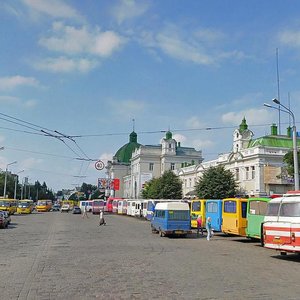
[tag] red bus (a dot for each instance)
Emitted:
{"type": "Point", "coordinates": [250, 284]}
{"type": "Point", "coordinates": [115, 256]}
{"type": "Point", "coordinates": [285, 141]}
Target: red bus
{"type": "Point", "coordinates": [110, 203]}
{"type": "Point", "coordinates": [97, 206]}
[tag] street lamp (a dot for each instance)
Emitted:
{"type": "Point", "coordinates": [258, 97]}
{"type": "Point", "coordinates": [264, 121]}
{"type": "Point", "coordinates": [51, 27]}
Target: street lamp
{"type": "Point", "coordinates": [295, 153]}
{"type": "Point", "coordinates": [16, 176]}
{"type": "Point", "coordinates": [5, 179]}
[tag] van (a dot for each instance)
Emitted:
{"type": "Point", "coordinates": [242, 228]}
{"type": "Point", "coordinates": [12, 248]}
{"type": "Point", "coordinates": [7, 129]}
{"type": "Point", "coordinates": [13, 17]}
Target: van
{"type": "Point", "coordinates": [171, 218]}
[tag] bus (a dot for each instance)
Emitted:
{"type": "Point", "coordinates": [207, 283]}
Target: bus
{"type": "Point", "coordinates": [122, 207]}
{"type": "Point", "coordinates": [256, 211]}
{"type": "Point", "coordinates": [88, 204]}
{"type": "Point", "coordinates": [214, 211]}
{"type": "Point", "coordinates": [9, 205]}
{"type": "Point", "coordinates": [197, 208]}
{"type": "Point", "coordinates": [234, 214]}
{"type": "Point", "coordinates": [97, 206]}
{"type": "Point", "coordinates": [171, 218]}
{"type": "Point", "coordinates": [281, 228]}
{"type": "Point", "coordinates": [43, 205]}
{"type": "Point", "coordinates": [25, 206]}
{"type": "Point", "coordinates": [109, 204]}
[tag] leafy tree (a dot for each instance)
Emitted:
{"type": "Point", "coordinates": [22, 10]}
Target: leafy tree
{"type": "Point", "coordinates": [288, 159]}
{"type": "Point", "coordinates": [216, 183]}
{"type": "Point", "coordinates": [88, 189]}
{"type": "Point", "coordinates": [168, 186]}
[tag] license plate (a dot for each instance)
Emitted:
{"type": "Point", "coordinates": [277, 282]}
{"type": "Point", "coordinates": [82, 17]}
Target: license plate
{"type": "Point", "coordinates": [277, 241]}
{"type": "Point", "coordinates": [178, 232]}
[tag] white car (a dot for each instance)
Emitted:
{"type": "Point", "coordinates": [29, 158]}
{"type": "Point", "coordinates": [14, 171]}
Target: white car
{"type": "Point", "coordinates": [65, 208]}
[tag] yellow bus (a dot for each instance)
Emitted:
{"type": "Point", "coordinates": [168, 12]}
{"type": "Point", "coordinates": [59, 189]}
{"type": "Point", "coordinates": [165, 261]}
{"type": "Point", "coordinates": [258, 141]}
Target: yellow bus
{"type": "Point", "coordinates": [25, 206]}
{"type": "Point", "coordinates": [9, 205]}
{"type": "Point", "coordinates": [43, 205]}
{"type": "Point", "coordinates": [197, 207]}
{"type": "Point", "coordinates": [234, 216]}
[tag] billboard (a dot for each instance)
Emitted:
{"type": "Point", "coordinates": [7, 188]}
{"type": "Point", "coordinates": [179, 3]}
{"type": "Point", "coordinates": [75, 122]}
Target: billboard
{"type": "Point", "coordinates": [109, 184]}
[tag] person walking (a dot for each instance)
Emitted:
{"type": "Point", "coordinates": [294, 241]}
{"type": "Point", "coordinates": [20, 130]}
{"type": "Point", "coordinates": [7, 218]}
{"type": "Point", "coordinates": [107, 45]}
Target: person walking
{"type": "Point", "coordinates": [199, 225]}
{"type": "Point", "coordinates": [85, 214]}
{"type": "Point", "coordinates": [101, 218]}
{"type": "Point", "coordinates": [208, 228]}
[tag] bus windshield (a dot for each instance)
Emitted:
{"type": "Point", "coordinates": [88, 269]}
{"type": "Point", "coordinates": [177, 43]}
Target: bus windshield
{"type": "Point", "coordinates": [273, 209]}
{"type": "Point", "coordinates": [290, 209]}
{"type": "Point", "coordinates": [196, 206]}
{"type": "Point", "coordinates": [4, 203]}
{"type": "Point", "coordinates": [179, 215]}
{"type": "Point", "coordinates": [23, 204]}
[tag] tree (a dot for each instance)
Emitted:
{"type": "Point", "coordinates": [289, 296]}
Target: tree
{"type": "Point", "coordinates": [168, 186]}
{"type": "Point", "coordinates": [216, 183]}
{"type": "Point", "coordinates": [288, 159]}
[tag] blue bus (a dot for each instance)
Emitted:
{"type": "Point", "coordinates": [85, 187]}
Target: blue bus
{"type": "Point", "coordinates": [171, 218]}
{"type": "Point", "coordinates": [214, 211]}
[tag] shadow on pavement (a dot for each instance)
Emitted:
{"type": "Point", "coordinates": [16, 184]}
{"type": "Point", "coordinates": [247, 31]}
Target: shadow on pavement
{"type": "Point", "coordinates": [294, 257]}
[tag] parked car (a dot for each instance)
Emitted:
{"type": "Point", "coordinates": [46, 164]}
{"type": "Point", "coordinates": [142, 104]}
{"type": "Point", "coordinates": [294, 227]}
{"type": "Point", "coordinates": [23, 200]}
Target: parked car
{"type": "Point", "coordinates": [55, 207]}
{"type": "Point", "coordinates": [7, 217]}
{"type": "Point", "coordinates": [76, 210]}
{"type": "Point", "coordinates": [3, 220]}
{"type": "Point", "coordinates": [65, 208]}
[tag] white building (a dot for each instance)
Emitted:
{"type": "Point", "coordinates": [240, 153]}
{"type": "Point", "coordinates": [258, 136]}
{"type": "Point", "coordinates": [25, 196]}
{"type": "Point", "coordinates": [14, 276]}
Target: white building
{"type": "Point", "coordinates": [135, 164]}
{"type": "Point", "coordinates": [256, 163]}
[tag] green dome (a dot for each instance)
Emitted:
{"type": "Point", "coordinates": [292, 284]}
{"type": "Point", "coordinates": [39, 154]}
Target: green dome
{"type": "Point", "coordinates": [124, 154]}
{"type": "Point", "coordinates": [169, 135]}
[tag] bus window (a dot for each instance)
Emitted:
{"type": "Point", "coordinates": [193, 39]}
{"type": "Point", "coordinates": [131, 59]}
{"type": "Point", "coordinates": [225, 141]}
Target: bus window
{"type": "Point", "coordinates": [178, 215]}
{"type": "Point", "coordinates": [244, 209]}
{"type": "Point", "coordinates": [230, 206]}
{"type": "Point", "coordinates": [273, 209]}
{"type": "Point", "coordinates": [290, 210]}
{"type": "Point", "coordinates": [196, 206]}
{"type": "Point", "coordinates": [212, 207]}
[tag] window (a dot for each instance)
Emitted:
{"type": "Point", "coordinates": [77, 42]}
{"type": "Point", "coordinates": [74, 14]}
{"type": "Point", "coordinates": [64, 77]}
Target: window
{"type": "Point", "coordinates": [290, 210]}
{"type": "Point", "coordinates": [230, 206]}
{"type": "Point", "coordinates": [237, 174]}
{"type": "Point", "coordinates": [190, 181]}
{"type": "Point", "coordinates": [170, 146]}
{"type": "Point", "coordinates": [178, 215]}
{"type": "Point", "coordinates": [151, 166]}
{"type": "Point", "coordinates": [258, 208]}
{"type": "Point", "coordinates": [196, 206]}
{"type": "Point", "coordinates": [244, 209]}
{"type": "Point", "coordinates": [273, 209]}
{"type": "Point", "coordinates": [172, 166]}
{"type": "Point", "coordinates": [212, 207]}
{"type": "Point", "coordinates": [160, 213]}
{"type": "Point", "coordinates": [247, 173]}
{"type": "Point", "coordinates": [252, 172]}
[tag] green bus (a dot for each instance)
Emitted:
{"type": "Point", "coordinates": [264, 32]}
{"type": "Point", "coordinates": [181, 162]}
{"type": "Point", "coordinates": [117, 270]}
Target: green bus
{"type": "Point", "coordinates": [256, 211]}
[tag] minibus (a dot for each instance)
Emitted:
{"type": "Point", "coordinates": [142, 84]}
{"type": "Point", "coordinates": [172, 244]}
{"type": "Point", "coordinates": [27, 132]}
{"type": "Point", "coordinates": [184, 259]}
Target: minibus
{"type": "Point", "coordinates": [256, 211]}
{"type": "Point", "coordinates": [43, 205]}
{"type": "Point", "coordinates": [86, 204]}
{"type": "Point", "coordinates": [214, 211]}
{"type": "Point", "coordinates": [234, 214]}
{"type": "Point", "coordinates": [97, 206]}
{"type": "Point", "coordinates": [25, 206]}
{"type": "Point", "coordinates": [9, 205]}
{"type": "Point", "coordinates": [122, 207]}
{"type": "Point", "coordinates": [197, 208]}
{"type": "Point", "coordinates": [281, 228]}
{"type": "Point", "coordinates": [171, 218]}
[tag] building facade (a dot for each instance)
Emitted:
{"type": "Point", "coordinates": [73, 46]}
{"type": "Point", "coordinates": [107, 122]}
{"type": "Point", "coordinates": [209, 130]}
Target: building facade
{"type": "Point", "coordinates": [257, 164]}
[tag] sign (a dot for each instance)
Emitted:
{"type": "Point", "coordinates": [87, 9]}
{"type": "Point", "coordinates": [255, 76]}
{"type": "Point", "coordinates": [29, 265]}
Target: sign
{"type": "Point", "coordinates": [99, 165]}
{"type": "Point", "coordinates": [104, 183]}
{"type": "Point", "coordinates": [116, 184]}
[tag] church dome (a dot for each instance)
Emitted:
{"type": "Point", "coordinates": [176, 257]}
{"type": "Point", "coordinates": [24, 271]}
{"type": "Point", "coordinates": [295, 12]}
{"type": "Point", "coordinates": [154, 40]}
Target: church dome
{"type": "Point", "coordinates": [123, 155]}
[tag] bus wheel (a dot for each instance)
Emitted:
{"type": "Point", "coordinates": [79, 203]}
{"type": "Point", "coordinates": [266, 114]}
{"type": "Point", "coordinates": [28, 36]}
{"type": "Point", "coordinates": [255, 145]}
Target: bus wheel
{"type": "Point", "coordinates": [161, 234]}
{"type": "Point", "coordinates": [283, 253]}
{"type": "Point", "coordinates": [262, 242]}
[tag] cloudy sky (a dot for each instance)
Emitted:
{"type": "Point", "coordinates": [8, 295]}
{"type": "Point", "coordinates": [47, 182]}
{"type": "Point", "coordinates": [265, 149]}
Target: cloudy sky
{"type": "Point", "coordinates": [75, 73]}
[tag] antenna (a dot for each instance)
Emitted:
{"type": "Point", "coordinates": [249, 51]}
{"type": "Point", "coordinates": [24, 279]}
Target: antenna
{"type": "Point", "coordinates": [133, 124]}
{"type": "Point", "coordinates": [289, 106]}
{"type": "Point", "coordinates": [278, 90]}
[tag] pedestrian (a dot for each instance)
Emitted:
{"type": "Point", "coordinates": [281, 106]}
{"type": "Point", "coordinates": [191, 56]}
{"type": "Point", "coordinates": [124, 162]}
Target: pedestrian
{"type": "Point", "coordinates": [208, 228]}
{"type": "Point", "coordinates": [199, 225]}
{"type": "Point", "coordinates": [101, 218]}
{"type": "Point", "coordinates": [85, 214]}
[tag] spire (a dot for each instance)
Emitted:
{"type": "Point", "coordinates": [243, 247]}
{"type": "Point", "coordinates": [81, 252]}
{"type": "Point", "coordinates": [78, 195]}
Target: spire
{"type": "Point", "coordinates": [133, 124]}
{"type": "Point", "coordinates": [243, 125]}
{"type": "Point", "coordinates": [133, 137]}
{"type": "Point", "coordinates": [168, 135]}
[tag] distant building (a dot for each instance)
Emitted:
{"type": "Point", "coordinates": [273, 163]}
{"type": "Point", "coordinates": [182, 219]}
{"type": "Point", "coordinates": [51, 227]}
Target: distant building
{"type": "Point", "coordinates": [257, 164]}
{"type": "Point", "coordinates": [135, 164]}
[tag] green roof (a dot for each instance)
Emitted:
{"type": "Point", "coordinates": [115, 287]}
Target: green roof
{"type": "Point", "coordinates": [273, 141]}
{"type": "Point", "coordinates": [124, 154]}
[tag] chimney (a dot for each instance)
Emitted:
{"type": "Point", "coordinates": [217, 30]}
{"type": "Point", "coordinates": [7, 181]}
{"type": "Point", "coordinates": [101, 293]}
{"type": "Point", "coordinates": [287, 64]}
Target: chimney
{"type": "Point", "coordinates": [274, 129]}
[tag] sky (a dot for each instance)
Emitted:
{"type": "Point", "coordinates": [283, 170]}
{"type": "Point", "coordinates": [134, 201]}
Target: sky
{"type": "Point", "coordinates": [75, 74]}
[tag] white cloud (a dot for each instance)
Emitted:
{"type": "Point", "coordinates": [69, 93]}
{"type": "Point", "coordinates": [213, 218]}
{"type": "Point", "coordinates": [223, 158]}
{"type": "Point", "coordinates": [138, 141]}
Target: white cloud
{"type": "Point", "coordinates": [199, 46]}
{"type": "Point", "coordinates": [10, 83]}
{"type": "Point", "coordinates": [30, 162]}
{"type": "Point", "coordinates": [179, 137]}
{"type": "Point", "coordinates": [194, 122]}
{"type": "Point", "coordinates": [9, 99]}
{"type": "Point", "coordinates": [106, 156]}
{"type": "Point", "coordinates": [65, 65]}
{"type": "Point", "coordinates": [253, 116]}
{"type": "Point", "coordinates": [290, 38]}
{"type": "Point", "coordinates": [30, 103]}
{"type": "Point", "coordinates": [200, 144]}
{"type": "Point", "coordinates": [71, 40]}
{"type": "Point", "coordinates": [128, 9]}
{"type": "Point", "coordinates": [128, 108]}
{"type": "Point", "coordinates": [53, 8]}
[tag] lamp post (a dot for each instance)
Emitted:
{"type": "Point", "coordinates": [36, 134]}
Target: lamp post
{"type": "Point", "coordinates": [295, 153]}
{"type": "Point", "coordinates": [16, 176]}
{"type": "Point", "coordinates": [5, 179]}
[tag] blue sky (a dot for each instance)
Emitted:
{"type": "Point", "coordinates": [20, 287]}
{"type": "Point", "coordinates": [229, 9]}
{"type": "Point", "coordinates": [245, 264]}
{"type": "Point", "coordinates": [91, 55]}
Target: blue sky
{"type": "Point", "coordinates": [89, 67]}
